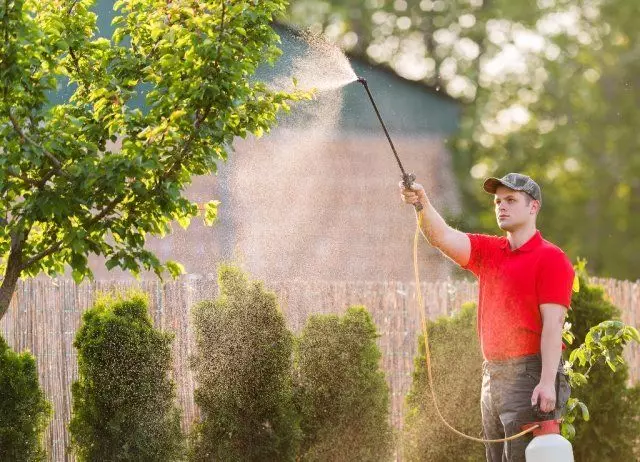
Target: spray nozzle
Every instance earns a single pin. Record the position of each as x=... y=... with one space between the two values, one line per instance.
x=362 y=80
x=408 y=179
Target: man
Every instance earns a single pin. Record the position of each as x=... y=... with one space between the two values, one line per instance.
x=525 y=290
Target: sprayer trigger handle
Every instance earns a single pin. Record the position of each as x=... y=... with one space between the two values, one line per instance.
x=408 y=180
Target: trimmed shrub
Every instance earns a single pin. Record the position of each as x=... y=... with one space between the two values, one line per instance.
x=613 y=431
x=456 y=363
x=24 y=410
x=123 y=400
x=242 y=365
x=341 y=391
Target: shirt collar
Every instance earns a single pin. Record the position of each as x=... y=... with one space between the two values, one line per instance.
x=528 y=246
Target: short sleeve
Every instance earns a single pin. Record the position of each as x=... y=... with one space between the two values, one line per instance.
x=481 y=247
x=555 y=279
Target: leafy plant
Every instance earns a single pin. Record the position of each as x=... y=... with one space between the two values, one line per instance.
x=341 y=392
x=603 y=414
x=123 y=400
x=457 y=372
x=242 y=364
x=24 y=409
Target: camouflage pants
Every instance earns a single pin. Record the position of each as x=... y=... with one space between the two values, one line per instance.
x=506 y=403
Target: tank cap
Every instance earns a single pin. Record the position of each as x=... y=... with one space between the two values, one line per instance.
x=546 y=427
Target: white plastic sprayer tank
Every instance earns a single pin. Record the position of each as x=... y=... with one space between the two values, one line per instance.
x=548 y=445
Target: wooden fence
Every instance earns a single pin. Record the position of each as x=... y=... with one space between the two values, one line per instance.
x=44 y=316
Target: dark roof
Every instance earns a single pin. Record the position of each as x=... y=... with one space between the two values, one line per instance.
x=365 y=60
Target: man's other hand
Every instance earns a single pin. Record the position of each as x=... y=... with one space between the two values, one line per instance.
x=544 y=395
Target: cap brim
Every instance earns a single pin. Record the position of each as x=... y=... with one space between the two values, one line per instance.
x=491 y=185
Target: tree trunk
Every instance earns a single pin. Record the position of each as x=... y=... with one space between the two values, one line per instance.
x=12 y=273
x=6 y=290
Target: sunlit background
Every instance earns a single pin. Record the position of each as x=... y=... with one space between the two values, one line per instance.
x=548 y=88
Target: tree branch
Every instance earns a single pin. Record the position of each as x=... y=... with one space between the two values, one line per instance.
x=57 y=164
x=56 y=245
x=53 y=248
x=73 y=4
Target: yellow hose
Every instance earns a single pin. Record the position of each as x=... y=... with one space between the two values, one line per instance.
x=427 y=354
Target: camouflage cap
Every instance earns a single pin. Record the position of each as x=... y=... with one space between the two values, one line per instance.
x=515 y=181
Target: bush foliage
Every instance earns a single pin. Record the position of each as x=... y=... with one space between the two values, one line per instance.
x=342 y=393
x=243 y=370
x=123 y=400
x=24 y=410
x=613 y=430
x=456 y=363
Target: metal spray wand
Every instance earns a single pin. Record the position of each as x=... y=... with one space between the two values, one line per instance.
x=407 y=178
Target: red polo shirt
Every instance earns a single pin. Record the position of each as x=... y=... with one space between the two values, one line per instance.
x=513 y=285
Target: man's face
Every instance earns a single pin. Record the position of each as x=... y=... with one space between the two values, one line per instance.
x=514 y=209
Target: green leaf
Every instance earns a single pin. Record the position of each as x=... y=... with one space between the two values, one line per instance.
x=578 y=379
x=584 y=410
x=568 y=430
x=177 y=114
x=77 y=275
x=175 y=268
x=184 y=222
x=611 y=365
x=635 y=335
x=211 y=212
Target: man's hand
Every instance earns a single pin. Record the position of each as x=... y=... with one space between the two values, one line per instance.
x=414 y=195
x=544 y=394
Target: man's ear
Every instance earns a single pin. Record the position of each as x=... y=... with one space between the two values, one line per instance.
x=536 y=206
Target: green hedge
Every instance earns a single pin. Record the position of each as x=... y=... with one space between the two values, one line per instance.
x=342 y=393
x=242 y=365
x=123 y=400
x=24 y=410
x=457 y=372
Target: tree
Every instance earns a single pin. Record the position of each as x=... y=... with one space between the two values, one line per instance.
x=242 y=365
x=24 y=409
x=341 y=392
x=124 y=401
x=552 y=91
x=66 y=189
x=576 y=133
